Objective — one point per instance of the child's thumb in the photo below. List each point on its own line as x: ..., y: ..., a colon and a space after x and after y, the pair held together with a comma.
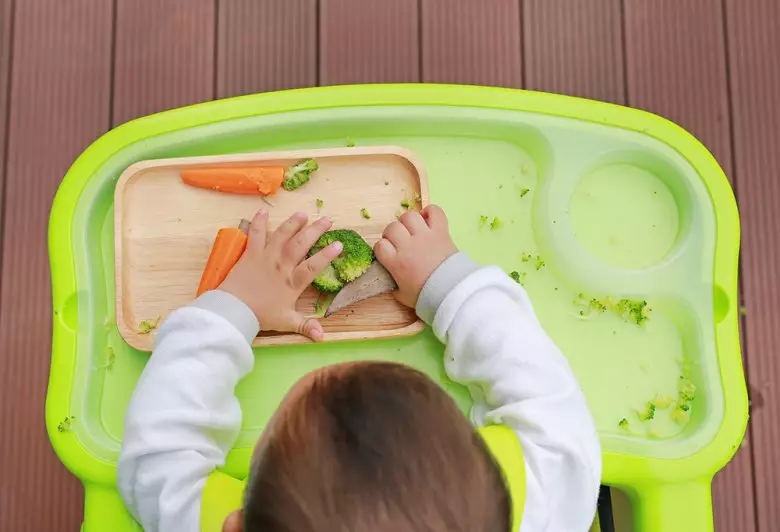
x: 309, y: 327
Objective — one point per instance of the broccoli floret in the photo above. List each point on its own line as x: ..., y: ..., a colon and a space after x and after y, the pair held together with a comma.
x: 496, y: 224
x: 686, y: 389
x: 299, y: 174
x: 353, y: 261
x: 623, y: 424
x: 364, y: 213
x: 647, y: 413
x: 636, y: 311
x: 517, y: 276
x: 328, y: 281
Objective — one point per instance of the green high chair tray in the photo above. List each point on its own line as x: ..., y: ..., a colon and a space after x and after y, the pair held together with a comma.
x: 591, y: 202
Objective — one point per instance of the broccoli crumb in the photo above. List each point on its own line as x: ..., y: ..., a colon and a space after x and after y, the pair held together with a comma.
x: 518, y: 277
x: 686, y: 389
x: 526, y: 257
x: 742, y: 311
x: 679, y: 415
x: 539, y: 263
x: 496, y: 224
x: 147, y: 326
x: 319, y: 203
x: 406, y: 204
x: 623, y: 424
x: 364, y: 213
x: 635, y: 311
x: 387, y: 182
x: 417, y: 197
x: 647, y: 413
x: 350, y: 143
x: 524, y: 191
x: 662, y: 402
x: 66, y: 424
x: 482, y: 221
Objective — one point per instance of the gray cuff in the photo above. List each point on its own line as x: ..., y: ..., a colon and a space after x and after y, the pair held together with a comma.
x: 452, y: 271
x: 232, y: 309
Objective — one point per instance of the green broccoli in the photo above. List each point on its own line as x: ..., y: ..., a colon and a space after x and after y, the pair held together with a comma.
x: 496, y: 224
x: 351, y: 264
x: 299, y: 174
x: 350, y: 143
x: 636, y: 311
x: 517, y: 276
x: 319, y: 204
x: 526, y: 257
x: 647, y: 413
x: 147, y: 326
x: 364, y: 213
x: 623, y: 424
x: 539, y: 263
x: 482, y: 221
x: 66, y: 424
x: 687, y: 389
x: 524, y: 191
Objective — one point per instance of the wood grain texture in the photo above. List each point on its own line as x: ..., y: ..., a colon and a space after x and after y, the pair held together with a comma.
x: 6, y: 33
x: 477, y: 43
x: 59, y: 103
x: 679, y: 72
x: 266, y: 45
x: 369, y: 41
x: 164, y: 56
x: 754, y: 65
x: 165, y: 230
x: 574, y: 48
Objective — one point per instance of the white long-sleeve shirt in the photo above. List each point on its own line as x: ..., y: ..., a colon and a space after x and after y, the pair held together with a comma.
x: 184, y: 416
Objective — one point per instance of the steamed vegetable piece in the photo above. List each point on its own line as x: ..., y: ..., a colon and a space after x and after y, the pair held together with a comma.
x: 227, y: 249
x: 299, y: 174
x: 351, y: 264
x: 254, y: 180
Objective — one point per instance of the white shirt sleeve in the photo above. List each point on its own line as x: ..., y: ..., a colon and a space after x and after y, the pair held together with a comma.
x: 184, y: 417
x: 518, y: 377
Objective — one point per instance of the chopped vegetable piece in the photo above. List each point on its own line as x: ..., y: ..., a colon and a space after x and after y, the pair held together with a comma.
x: 648, y: 412
x: 350, y: 143
x: 254, y: 180
x: 66, y: 424
x: 623, y: 424
x: 299, y: 174
x: 496, y: 224
x: 319, y: 203
x: 687, y: 389
x: 526, y: 257
x: 406, y: 204
x: 539, y: 263
x: 524, y: 191
x: 228, y: 247
x: 147, y: 326
x: 515, y: 275
x: 636, y: 311
x: 321, y: 305
x: 482, y: 221
x: 364, y: 213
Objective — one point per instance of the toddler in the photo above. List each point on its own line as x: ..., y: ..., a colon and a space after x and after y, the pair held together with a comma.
x: 364, y: 446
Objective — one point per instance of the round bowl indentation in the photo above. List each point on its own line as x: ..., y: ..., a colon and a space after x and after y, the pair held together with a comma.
x: 625, y: 215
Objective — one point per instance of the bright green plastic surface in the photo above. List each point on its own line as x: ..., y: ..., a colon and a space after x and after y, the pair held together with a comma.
x: 620, y: 203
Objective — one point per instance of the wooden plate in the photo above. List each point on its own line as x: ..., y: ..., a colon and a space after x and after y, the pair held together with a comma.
x: 164, y: 231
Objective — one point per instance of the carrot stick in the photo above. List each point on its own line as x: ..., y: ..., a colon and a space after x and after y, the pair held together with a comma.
x: 227, y: 249
x: 256, y: 180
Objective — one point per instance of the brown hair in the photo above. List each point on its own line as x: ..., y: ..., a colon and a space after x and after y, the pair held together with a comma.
x: 374, y: 447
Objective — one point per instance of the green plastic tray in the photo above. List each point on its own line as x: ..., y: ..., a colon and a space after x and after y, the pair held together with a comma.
x: 620, y: 202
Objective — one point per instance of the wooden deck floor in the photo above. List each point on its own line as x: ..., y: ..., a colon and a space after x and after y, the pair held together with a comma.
x: 70, y: 70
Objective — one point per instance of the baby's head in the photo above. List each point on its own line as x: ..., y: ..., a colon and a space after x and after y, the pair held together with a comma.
x: 371, y: 446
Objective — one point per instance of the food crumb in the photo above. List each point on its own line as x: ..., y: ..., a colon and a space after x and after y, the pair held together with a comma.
x: 147, y: 326
x: 364, y: 213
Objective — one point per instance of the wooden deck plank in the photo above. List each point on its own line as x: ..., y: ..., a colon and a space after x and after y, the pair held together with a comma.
x: 574, y: 48
x: 754, y: 66
x: 477, y: 43
x: 676, y: 67
x: 59, y: 103
x: 6, y: 32
x: 369, y: 41
x: 164, y: 56
x: 266, y: 46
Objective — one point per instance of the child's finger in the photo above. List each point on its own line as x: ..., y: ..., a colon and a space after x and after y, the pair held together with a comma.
x: 384, y: 251
x: 309, y: 327
x: 258, y: 230
x: 297, y: 248
x: 413, y: 222
x: 306, y: 271
x: 287, y: 230
x: 434, y: 216
x: 396, y: 233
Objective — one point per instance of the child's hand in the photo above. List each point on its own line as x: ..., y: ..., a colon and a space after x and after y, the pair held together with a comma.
x: 412, y: 248
x: 274, y: 271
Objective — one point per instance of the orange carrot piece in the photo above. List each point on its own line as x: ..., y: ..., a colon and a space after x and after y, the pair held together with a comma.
x: 256, y: 180
x: 227, y: 249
